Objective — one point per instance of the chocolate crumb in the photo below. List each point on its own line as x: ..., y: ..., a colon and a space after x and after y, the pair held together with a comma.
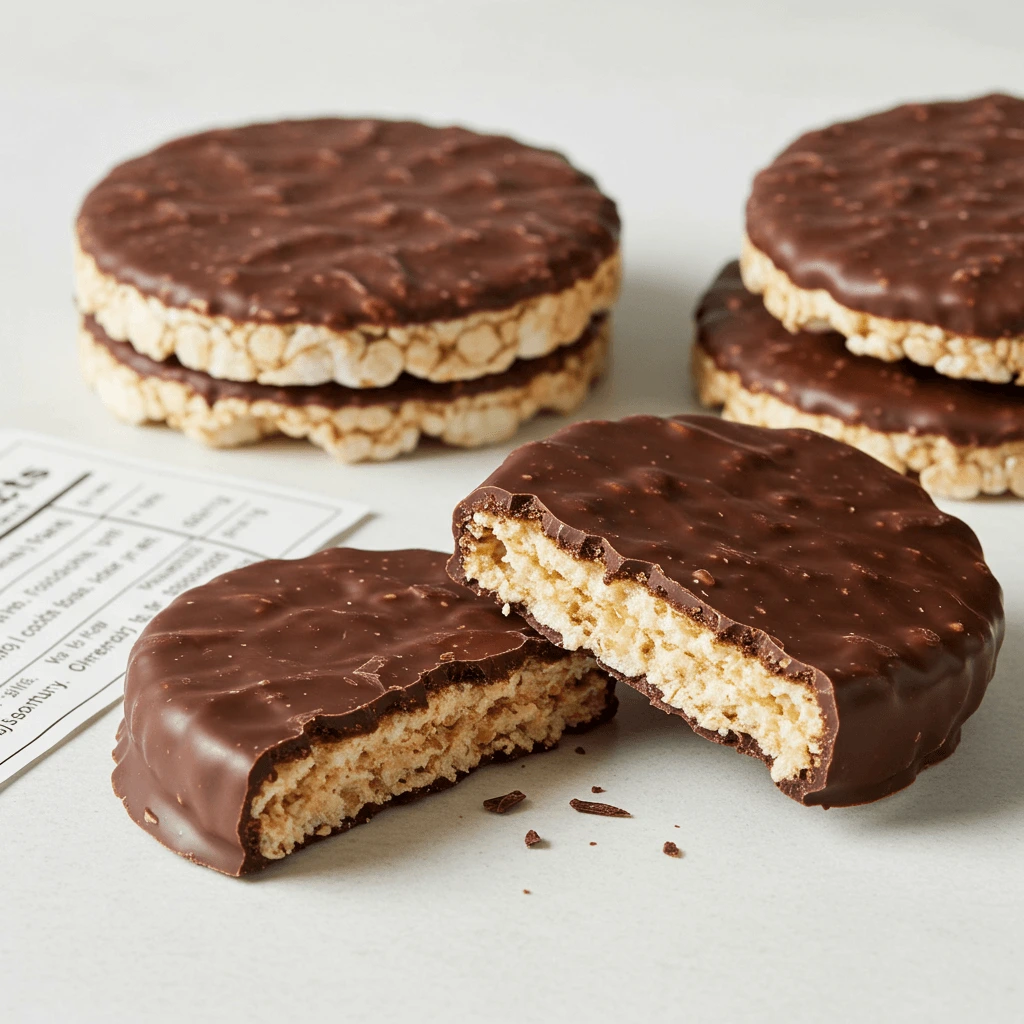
x: 596, y: 789
x: 580, y: 750
x: 593, y: 843
x: 671, y: 850
x: 500, y: 804
x: 532, y: 838
x: 526, y: 892
x: 605, y: 810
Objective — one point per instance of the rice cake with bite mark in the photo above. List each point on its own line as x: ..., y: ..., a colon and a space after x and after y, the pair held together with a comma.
x: 783, y: 592
x: 291, y: 700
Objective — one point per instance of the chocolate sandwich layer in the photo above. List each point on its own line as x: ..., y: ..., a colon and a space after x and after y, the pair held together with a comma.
x: 288, y: 700
x: 352, y: 424
x: 336, y: 396
x: 783, y: 592
x: 815, y: 373
x: 913, y: 214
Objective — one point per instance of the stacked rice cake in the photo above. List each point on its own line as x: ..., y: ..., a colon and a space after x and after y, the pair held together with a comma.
x: 360, y: 283
x: 890, y: 251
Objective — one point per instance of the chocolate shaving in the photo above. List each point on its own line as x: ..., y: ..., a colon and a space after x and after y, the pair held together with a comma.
x: 671, y: 850
x: 604, y: 810
x: 500, y: 804
x: 532, y: 839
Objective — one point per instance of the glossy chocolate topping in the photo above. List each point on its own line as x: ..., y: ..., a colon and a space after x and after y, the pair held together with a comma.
x: 347, y: 222
x: 816, y: 374
x: 336, y: 396
x: 806, y: 553
x: 913, y: 214
x: 243, y: 672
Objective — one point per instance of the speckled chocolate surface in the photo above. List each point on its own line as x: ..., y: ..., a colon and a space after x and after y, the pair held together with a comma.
x: 344, y: 222
x: 914, y: 214
x: 244, y: 672
x: 336, y: 396
x: 816, y: 374
x: 810, y: 556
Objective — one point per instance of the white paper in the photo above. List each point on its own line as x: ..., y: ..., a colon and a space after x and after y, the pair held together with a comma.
x: 92, y: 545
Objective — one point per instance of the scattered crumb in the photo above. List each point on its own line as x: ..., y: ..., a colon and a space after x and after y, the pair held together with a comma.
x: 596, y: 789
x: 580, y: 750
x: 671, y: 850
x: 526, y: 892
x: 532, y: 839
x: 593, y: 844
x: 675, y: 826
x: 500, y: 804
x: 605, y: 810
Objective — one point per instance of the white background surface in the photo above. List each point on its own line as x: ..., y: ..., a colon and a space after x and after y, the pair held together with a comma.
x: 909, y: 909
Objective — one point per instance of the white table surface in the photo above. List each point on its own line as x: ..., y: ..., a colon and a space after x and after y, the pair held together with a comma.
x: 909, y: 909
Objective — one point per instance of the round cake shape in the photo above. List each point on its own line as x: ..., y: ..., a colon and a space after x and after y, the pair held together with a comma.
x: 289, y: 700
x: 964, y: 438
x: 784, y: 593
x: 902, y: 231
x: 300, y: 252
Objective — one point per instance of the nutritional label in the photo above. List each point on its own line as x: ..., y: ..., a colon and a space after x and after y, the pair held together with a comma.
x: 92, y: 546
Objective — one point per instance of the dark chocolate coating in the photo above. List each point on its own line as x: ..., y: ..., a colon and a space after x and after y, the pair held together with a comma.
x: 347, y: 222
x: 913, y: 214
x: 804, y: 552
x: 244, y: 672
x: 332, y: 395
x: 816, y: 374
